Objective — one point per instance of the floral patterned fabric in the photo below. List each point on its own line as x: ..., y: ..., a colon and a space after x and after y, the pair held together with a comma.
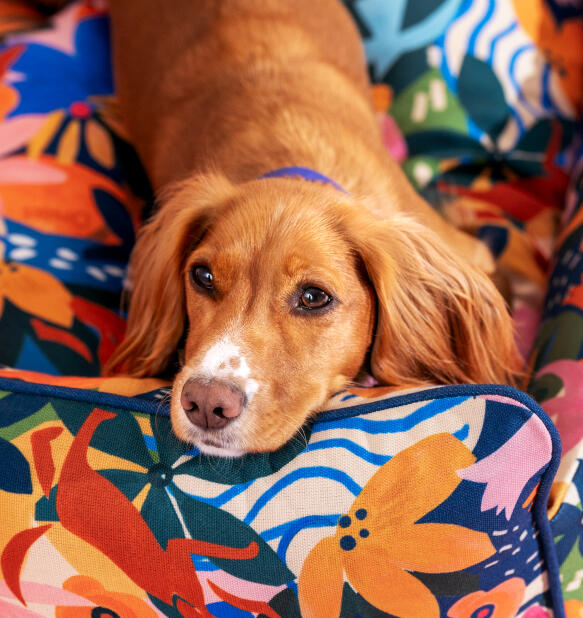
x: 104, y: 508
x: 557, y: 382
x: 422, y: 503
x: 67, y: 215
x: 484, y: 99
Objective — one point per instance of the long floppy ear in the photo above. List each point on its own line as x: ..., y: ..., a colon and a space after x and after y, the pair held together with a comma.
x: 440, y: 320
x: 157, y: 314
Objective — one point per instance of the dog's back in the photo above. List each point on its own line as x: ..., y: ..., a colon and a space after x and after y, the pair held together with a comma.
x: 230, y: 66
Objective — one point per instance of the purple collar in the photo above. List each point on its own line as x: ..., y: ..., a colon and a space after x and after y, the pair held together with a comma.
x: 302, y: 172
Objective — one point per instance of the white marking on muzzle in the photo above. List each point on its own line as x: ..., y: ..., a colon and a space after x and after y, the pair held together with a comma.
x: 225, y: 361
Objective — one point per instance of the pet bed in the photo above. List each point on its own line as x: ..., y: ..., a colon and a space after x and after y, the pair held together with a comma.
x: 451, y: 501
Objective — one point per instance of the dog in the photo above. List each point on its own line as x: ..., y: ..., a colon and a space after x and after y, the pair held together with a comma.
x: 288, y: 254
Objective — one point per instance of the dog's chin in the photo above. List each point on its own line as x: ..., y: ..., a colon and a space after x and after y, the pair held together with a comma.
x: 209, y: 448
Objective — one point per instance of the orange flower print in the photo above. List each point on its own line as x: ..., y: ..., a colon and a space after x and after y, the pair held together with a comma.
x: 503, y: 601
x: 115, y: 603
x: 378, y: 542
x: 573, y: 608
x: 36, y: 292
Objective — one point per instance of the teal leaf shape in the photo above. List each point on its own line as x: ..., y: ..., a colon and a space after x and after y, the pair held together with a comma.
x: 130, y: 483
x: 167, y: 610
x: 537, y: 137
x: 213, y: 525
x: 557, y: 338
x: 481, y: 94
x: 15, y: 476
x: 158, y: 512
x: 285, y: 603
x: 546, y: 387
x: 121, y: 436
x: 46, y: 508
x: 416, y: 12
x: 445, y: 144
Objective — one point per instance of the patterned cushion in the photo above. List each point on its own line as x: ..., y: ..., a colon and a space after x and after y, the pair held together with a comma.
x: 67, y: 216
x: 424, y: 504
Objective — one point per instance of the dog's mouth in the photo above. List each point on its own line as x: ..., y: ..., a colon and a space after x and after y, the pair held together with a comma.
x: 211, y: 445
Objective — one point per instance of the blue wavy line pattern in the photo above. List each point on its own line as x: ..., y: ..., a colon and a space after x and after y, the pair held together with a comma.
x: 425, y: 412
x: 526, y: 105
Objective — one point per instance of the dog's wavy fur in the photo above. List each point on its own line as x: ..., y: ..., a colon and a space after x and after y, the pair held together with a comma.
x: 262, y: 85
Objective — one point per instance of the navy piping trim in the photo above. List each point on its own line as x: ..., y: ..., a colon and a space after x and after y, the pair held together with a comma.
x: 98, y: 398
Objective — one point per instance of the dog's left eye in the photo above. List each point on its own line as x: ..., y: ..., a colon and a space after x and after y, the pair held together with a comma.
x: 314, y: 298
x: 202, y: 276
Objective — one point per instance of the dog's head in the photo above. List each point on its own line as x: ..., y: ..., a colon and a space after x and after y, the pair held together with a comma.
x: 282, y: 290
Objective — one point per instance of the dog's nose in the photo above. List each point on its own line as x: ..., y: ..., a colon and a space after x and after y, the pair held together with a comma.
x: 211, y: 404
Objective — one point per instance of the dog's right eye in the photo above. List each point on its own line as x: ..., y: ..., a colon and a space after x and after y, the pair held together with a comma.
x: 202, y: 276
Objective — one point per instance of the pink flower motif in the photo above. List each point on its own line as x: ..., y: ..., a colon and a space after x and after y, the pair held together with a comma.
x: 61, y: 34
x: 393, y: 138
x: 18, y: 170
x: 18, y: 131
x: 565, y: 408
x: 526, y: 317
x: 507, y: 470
x: 503, y: 399
x: 34, y: 592
x: 536, y: 612
x: 236, y: 586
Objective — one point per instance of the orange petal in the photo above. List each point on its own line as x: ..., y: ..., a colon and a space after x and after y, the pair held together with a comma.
x: 37, y: 293
x: 437, y: 548
x: 99, y: 144
x: 41, y: 140
x: 506, y: 598
x: 83, y: 585
x: 413, y: 482
x: 69, y: 143
x: 320, y: 583
x: 73, y: 612
x: 390, y: 589
x: 573, y: 608
x: 382, y: 97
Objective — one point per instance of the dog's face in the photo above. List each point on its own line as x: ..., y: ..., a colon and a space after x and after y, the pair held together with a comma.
x: 279, y: 318
x: 276, y: 287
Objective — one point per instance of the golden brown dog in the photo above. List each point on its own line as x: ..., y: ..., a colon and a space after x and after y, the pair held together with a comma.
x: 283, y: 288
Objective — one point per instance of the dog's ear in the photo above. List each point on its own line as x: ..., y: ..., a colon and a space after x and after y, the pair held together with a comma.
x: 439, y: 319
x: 157, y: 312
